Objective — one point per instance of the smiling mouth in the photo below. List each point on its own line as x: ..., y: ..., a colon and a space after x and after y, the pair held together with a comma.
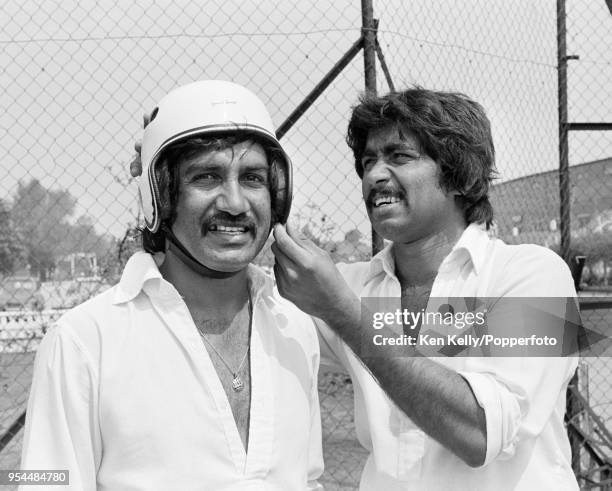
x: 224, y: 229
x: 384, y: 200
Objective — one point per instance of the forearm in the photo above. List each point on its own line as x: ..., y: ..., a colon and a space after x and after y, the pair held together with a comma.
x: 437, y: 399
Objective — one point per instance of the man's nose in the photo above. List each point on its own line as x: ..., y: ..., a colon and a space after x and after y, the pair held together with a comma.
x: 378, y: 171
x: 232, y: 199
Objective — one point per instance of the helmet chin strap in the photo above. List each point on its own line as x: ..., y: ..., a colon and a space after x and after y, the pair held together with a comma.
x: 181, y: 252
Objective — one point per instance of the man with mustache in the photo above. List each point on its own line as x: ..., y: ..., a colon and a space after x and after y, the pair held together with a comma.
x: 426, y: 161
x: 192, y: 372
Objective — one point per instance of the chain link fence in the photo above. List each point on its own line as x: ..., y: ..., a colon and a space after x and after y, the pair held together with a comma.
x: 589, y: 405
x: 77, y: 76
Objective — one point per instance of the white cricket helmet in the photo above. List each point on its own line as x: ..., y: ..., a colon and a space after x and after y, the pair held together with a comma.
x: 208, y: 107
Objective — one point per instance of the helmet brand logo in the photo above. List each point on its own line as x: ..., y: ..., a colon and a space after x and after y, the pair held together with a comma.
x: 225, y: 103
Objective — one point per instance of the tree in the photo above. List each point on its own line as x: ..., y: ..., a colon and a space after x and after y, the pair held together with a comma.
x: 118, y: 253
x: 352, y: 248
x: 84, y: 238
x: 12, y: 251
x: 314, y: 224
x: 43, y: 218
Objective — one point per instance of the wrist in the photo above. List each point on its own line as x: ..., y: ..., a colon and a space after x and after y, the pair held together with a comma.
x: 344, y: 311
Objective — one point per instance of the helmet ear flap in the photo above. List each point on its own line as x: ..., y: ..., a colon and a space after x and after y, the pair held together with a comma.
x: 280, y: 190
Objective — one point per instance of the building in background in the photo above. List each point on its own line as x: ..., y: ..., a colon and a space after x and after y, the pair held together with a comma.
x: 76, y: 265
x: 527, y: 211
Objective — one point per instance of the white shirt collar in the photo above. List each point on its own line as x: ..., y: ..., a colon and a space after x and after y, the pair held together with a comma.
x: 473, y: 242
x: 143, y: 268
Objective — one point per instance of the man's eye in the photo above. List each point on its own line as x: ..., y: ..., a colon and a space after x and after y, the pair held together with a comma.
x: 204, y: 177
x: 366, y: 164
x: 254, y: 178
x: 405, y: 156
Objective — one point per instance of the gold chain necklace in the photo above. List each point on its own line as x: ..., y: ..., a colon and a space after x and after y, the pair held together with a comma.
x: 237, y: 383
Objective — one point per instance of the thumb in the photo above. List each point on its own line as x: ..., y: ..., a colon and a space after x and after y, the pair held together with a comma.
x: 292, y: 231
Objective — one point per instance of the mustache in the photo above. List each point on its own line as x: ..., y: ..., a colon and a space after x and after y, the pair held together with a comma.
x: 384, y: 192
x: 224, y: 219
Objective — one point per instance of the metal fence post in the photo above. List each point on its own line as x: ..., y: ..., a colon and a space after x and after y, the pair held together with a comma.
x: 368, y: 30
x: 572, y: 408
x: 564, y: 187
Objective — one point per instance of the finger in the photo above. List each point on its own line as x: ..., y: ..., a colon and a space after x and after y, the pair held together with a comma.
x: 301, y: 239
x: 285, y: 280
x: 279, y: 275
x: 288, y: 246
x: 136, y: 166
x: 296, y: 234
x: 146, y: 119
x: 293, y: 231
x: 277, y: 271
x: 284, y: 262
x: 136, y: 163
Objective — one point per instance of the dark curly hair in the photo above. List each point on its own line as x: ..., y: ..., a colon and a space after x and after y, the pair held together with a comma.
x: 168, y: 178
x: 450, y: 127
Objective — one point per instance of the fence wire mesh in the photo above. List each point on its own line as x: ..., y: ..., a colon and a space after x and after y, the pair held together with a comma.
x: 77, y: 76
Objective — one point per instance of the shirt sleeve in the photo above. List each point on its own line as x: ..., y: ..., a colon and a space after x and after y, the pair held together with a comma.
x: 61, y: 430
x: 520, y: 394
x: 315, y: 450
x: 330, y: 361
x: 331, y: 346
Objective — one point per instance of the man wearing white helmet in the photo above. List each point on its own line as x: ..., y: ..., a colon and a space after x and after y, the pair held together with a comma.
x: 192, y: 372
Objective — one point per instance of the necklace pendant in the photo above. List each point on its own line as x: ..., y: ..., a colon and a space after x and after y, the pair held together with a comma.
x: 237, y: 383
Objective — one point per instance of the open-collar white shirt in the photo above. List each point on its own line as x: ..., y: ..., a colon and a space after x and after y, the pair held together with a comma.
x: 523, y: 398
x: 125, y: 396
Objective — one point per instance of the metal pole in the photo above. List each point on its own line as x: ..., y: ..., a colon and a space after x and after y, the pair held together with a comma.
x: 572, y: 406
x: 368, y: 30
x: 385, y: 68
x: 564, y: 184
x: 589, y: 126
x: 12, y: 431
x: 319, y: 88
x: 381, y: 58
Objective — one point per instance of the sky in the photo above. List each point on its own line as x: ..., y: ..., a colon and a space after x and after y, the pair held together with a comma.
x: 77, y: 77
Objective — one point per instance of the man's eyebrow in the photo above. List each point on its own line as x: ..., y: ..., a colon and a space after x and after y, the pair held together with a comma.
x: 389, y: 148
x: 198, y: 165
x: 368, y: 152
x: 256, y: 165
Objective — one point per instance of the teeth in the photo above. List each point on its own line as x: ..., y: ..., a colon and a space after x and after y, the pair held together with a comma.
x: 223, y: 228
x: 386, y: 200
